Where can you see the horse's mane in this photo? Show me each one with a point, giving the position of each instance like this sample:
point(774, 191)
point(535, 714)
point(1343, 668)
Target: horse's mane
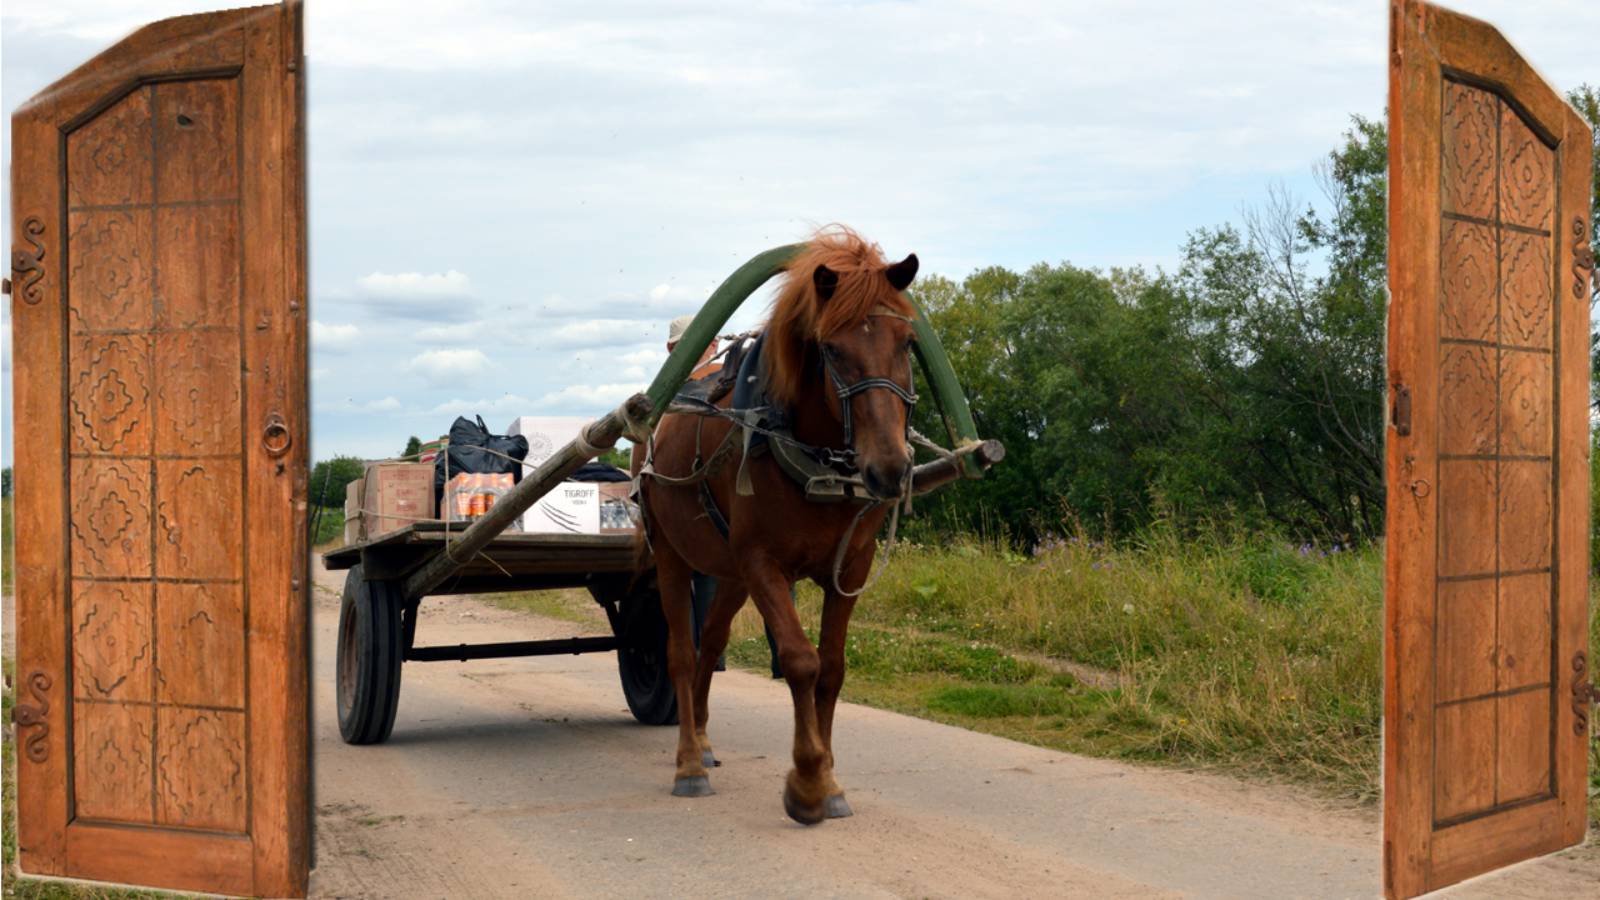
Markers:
point(799, 318)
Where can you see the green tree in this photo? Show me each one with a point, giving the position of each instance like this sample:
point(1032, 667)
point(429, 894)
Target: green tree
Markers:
point(330, 477)
point(413, 447)
point(5, 482)
point(1246, 384)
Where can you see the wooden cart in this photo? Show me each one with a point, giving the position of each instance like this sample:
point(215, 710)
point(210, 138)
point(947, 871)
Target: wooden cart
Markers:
point(378, 616)
point(390, 574)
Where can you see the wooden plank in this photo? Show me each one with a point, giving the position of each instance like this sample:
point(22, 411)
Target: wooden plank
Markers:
point(1411, 542)
point(1573, 513)
point(38, 306)
point(276, 442)
point(1485, 844)
point(186, 861)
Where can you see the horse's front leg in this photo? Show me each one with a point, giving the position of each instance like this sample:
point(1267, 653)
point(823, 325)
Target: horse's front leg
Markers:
point(806, 789)
point(836, 609)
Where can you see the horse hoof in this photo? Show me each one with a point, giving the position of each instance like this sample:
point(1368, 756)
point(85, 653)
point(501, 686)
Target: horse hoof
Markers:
point(692, 786)
point(708, 760)
point(837, 808)
point(800, 813)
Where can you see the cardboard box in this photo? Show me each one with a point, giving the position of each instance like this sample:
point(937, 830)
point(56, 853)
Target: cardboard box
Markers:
point(469, 495)
point(573, 507)
point(546, 435)
point(394, 495)
point(352, 510)
point(618, 515)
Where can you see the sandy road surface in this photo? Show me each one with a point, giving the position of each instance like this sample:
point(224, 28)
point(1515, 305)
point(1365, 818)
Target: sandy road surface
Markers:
point(528, 778)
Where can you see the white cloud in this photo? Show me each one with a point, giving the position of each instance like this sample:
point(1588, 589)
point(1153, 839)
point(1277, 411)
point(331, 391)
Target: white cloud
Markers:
point(515, 404)
point(589, 396)
point(320, 373)
point(387, 404)
point(403, 285)
point(325, 336)
point(450, 366)
point(596, 333)
point(457, 333)
point(436, 297)
point(644, 356)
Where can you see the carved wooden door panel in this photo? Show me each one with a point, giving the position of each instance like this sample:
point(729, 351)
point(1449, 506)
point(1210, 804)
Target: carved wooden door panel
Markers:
point(160, 378)
point(1488, 486)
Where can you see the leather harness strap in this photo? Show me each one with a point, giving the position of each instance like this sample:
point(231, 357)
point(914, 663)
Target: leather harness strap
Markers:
point(826, 474)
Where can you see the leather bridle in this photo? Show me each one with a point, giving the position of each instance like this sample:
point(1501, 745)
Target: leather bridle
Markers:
point(848, 390)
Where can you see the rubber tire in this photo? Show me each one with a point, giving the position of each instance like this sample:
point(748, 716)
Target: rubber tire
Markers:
point(642, 660)
point(367, 676)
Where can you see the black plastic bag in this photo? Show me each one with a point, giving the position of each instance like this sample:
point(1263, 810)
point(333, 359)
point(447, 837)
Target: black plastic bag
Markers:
point(597, 471)
point(468, 451)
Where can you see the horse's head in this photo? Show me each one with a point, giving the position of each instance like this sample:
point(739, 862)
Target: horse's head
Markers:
point(867, 383)
point(841, 327)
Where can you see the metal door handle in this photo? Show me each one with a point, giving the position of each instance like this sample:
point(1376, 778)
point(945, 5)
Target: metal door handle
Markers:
point(276, 437)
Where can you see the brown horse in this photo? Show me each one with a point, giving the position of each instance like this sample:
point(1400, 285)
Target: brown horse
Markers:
point(837, 360)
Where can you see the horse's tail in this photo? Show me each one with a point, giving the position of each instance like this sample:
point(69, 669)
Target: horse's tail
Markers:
point(643, 557)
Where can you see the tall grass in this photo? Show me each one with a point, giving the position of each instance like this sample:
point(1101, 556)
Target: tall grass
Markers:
point(1226, 649)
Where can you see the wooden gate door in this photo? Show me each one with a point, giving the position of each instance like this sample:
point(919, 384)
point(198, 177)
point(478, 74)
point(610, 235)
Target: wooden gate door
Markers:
point(158, 223)
point(1486, 725)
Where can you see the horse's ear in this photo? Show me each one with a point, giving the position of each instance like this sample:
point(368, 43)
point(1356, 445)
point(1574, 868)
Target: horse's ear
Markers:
point(826, 280)
point(901, 273)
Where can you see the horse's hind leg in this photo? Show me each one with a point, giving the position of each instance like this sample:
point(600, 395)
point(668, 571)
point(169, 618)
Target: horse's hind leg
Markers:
point(672, 578)
point(836, 609)
point(727, 602)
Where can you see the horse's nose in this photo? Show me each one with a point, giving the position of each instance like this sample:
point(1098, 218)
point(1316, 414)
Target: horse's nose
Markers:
point(884, 481)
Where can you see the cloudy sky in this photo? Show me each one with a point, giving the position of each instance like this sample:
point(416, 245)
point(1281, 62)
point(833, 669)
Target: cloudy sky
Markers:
point(510, 199)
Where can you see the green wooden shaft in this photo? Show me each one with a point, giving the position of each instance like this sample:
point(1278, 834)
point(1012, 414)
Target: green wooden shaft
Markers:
point(708, 322)
point(732, 293)
point(948, 397)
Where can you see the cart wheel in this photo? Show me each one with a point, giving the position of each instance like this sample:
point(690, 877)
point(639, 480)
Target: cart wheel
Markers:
point(368, 682)
point(642, 660)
